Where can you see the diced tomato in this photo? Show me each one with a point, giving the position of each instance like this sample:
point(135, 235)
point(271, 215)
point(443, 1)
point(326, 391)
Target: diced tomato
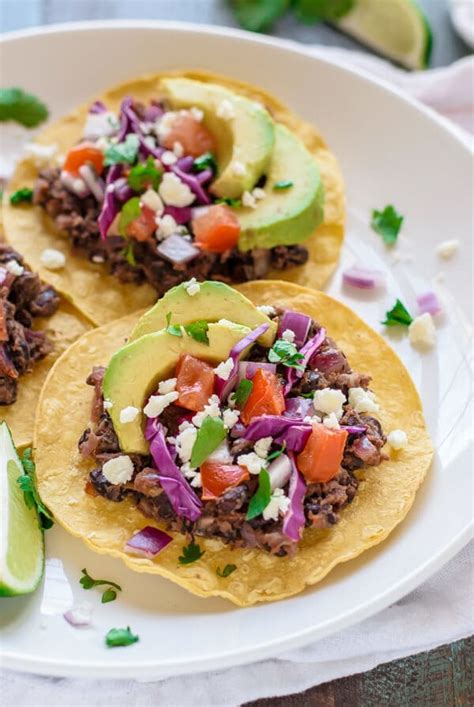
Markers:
point(143, 227)
point(217, 229)
point(217, 477)
point(195, 382)
point(321, 458)
point(83, 154)
point(191, 134)
point(266, 397)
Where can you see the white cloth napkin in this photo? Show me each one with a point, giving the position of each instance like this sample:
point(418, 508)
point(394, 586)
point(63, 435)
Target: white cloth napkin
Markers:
point(438, 612)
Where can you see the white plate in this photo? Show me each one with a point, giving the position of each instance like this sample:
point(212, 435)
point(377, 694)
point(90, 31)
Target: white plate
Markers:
point(391, 151)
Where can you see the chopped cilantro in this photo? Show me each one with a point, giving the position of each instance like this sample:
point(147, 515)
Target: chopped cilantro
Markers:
point(173, 329)
point(282, 184)
point(234, 203)
point(276, 453)
point(261, 498)
point(228, 569)
point(208, 438)
point(21, 196)
point(286, 353)
point(191, 553)
point(144, 175)
point(205, 161)
point(398, 315)
point(309, 395)
point(242, 392)
point(122, 152)
point(259, 15)
point(129, 255)
point(22, 107)
point(387, 223)
point(198, 331)
point(310, 11)
point(109, 595)
point(120, 637)
point(27, 483)
point(130, 211)
point(87, 582)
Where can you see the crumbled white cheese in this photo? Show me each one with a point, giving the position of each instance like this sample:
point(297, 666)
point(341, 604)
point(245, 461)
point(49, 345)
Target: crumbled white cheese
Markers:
point(239, 169)
point(248, 200)
point(168, 158)
point(166, 226)
point(221, 454)
point(329, 400)
point(167, 386)
point(152, 200)
point(192, 287)
point(98, 258)
point(146, 128)
point(150, 142)
point(267, 309)
point(230, 418)
point(174, 192)
point(118, 470)
point(164, 124)
point(52, 259)
point(262, 447)
point(397, 439)
point(224, 369)
point(447, 249)
point(362, 400)
point(14, 268)
point(192, 474)
point(40, 154)
point(279, 503)
point(211, 409)
point(312, 418)
point(185, 442)
point(288, 335)
point(225, 110)
point(232, 401)
point(196, 481)
point(108, 404)
point(99, 125)
point(79, 186)
point(422, 332)
point(128, 414)
point(331, 421)
point(157, 403)
point(178, 149)
point(252, 462)
point(110, 188)
point(259, 193)
point(197, 113)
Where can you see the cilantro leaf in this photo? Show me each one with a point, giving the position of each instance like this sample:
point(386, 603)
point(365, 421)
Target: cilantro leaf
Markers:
point(27, 483)
point(130, 211)
point(22, 107)
point(228, 569)
point(129, 255)
point(191, 553)
point(198, 330)
point(173, 329)
point(243, 391)
point(120, 637)
point(310, 11)
point(261, 498)
point(234, 203)
point(258, 15)
point(282, 184)
point(205, 161)
point(144, 175)
point(87, 582)
point(208, 438)
point(309, 395)
point(387, 223)
point(398, 315)
point(21, 196)
point(276, 453)
point(286, 353)
point(122, 152)
point(109, 595)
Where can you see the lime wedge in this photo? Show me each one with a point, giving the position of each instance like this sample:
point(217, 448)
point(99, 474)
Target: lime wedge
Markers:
point(395, 28)
point(21, 539)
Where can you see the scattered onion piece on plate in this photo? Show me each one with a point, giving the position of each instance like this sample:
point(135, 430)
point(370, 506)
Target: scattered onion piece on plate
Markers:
point(148, 542)
point(79, 615)
point(363, 278)
point(428, 303)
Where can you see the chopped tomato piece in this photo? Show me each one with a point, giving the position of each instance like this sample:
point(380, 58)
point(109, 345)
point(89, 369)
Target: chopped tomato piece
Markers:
point(191, 134)
point(321, 458)
point(195, 382)
point(217, 477)
point(143, 227)
point(266, 397)
point(217, 229)
point(83, 154)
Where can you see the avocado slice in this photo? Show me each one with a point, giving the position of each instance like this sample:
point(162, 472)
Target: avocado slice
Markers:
point(214, 301)
point(290, 215)
point(244, 142)
point(136, 369)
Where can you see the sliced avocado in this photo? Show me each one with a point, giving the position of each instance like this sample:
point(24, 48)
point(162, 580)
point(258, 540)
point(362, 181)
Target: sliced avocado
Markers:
point(290, 215)
point(214, 301)
point(244, 141)
point(136, 369)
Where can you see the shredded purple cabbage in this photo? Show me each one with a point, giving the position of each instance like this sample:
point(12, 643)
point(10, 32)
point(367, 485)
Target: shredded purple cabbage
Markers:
point(193, 183)
point(272, 426)
point(295, 437)
point(98, 107)
point(294, 520)
point(296, 322)
point(224, 387)
point(110, 207)
point(299, 407)
point(308, 350)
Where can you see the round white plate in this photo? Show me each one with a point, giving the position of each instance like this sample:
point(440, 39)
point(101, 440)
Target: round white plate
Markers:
point(391, 151)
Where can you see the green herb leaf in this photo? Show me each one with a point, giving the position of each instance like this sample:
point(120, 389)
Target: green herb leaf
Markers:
point(88, 582)
point(21, 196)
point(234, 203)
point(398, 315)
point(22, 107)
point(208, 438)
point(122, 152)
point(120, 637)
point(129, 255)
point(286, 353)
point(198, 330)
point(173, 329)
point(276, 453)
point(258, 15)
point(130, 211)
point(145, 175)
point(228, 569)
point(309, 395)
point(387, 223)
point(191, 553)
point(282, 184)
point(27, 483)
point(109, 595)
point(205, 161)
point(261, 498)
point(310, 11)
point(242, 392)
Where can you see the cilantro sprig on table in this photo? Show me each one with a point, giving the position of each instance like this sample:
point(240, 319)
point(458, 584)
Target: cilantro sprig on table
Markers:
point(286, 353)
point(387, 223)
point(87, 582)
point(22, 107)
point(27, 483)
point(120, 637)
point(260, 15)
point(398, 315)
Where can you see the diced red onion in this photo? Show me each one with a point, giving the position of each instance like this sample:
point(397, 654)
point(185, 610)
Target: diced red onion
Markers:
point(299, 407)
point(296, 322)
point(205, 176)
point(328, 361)
point(148, 542)
point(294, 520)
point(238, 430)
point(177, 249)
point(109, 208)
point(429, 303)
point(95, 183)
point(79, 615)
point(247, 369)
point(363, 278)
point(74, 184)
point(271, 426)
point(364, 449)
point(307, 351)
point(181, 214)
point(185, 164)
point(123, 192)
point(295, 437)
point(193, 183)
point(98, 107)
point(224, 387)
point(279, 472)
